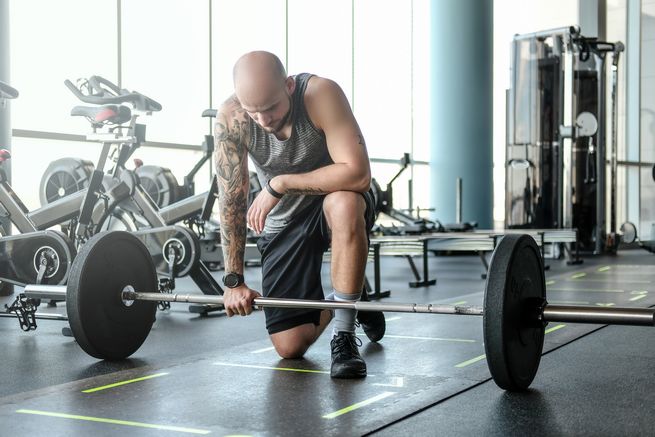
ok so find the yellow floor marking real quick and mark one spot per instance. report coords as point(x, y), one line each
point(550, 282)
point(457, 340)
point(118, 384)
point(589, 290)
point(115, 421)
point(623, 281)
point(358, 405)
point(286, 369)
point(568, 302)
point(578, 275)
point(641, 296)
point(603, 304)
point(471, 361)
point(626, 273)
point(554, 328)
point(482, 357)
point(604, 269)
point(392, 319)
point(461, 302)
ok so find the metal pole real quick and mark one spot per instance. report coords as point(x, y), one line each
point(46, 292)
point(599, 315)
point(601, 153)
point(39, 316)
point(262, 302)
point(551, 313)
point(458, 200)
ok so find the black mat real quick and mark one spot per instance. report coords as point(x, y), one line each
point(221, 375)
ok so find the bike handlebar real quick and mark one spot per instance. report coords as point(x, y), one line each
point(7, 92)
point(100, 91)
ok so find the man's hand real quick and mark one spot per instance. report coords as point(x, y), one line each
point(238, 301)
point(258, 211)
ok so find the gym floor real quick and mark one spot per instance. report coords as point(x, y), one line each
point(220, 376)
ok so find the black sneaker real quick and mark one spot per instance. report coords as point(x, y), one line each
point(372, 322)
point(346, 361)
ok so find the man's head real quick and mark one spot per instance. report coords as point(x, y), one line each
point(264, 90)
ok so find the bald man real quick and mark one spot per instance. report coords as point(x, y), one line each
point(311, 158)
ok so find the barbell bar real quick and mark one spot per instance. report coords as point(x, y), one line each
point(551, 313)
point(111, 308)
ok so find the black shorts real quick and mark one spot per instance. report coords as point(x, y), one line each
point(291, 263)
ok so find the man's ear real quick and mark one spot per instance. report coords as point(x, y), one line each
point(290, 84)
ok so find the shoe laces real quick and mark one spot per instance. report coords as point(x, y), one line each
point(346, 343)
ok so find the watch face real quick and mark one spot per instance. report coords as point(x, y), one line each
point(231, 280)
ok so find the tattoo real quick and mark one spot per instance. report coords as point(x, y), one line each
point(308, 191)
point(231, 160)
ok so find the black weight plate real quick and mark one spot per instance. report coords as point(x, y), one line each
point(159, 183)
point(513, 345)
point(103, 325)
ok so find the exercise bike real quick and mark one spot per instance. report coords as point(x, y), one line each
point(37, 255)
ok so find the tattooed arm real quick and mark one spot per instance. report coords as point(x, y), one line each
point(329, 110)
point(231, 159)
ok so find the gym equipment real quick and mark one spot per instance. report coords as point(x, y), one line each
point(64, 177)
point(557, 145)
point(122, 186)
point(160, 183)
point(383, 201)
point(111, 306)
point(37, 256)
point(410, 224)
point(6, 92)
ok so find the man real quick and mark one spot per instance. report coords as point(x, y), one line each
point(312, 161)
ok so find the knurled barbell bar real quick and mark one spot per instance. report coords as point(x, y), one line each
point(111, 309)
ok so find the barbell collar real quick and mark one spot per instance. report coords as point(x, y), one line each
point(263, 302)
point(45, 292)
point(599, 315)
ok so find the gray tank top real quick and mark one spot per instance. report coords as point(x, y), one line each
point(304, 151)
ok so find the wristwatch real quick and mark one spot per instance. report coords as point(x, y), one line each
point(232, 280)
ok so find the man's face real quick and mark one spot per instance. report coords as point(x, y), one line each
point(268, 106)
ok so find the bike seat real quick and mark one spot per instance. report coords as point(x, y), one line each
point(209, 113)
point(7, 92)
point(111, 114)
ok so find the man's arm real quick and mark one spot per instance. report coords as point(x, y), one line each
point(329, 110)
point(231, 158)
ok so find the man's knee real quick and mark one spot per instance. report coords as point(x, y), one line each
point(344, 209)
point(294, 342)
point(290, 349)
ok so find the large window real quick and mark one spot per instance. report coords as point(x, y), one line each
point(320, 40)
point(239, 27)
point(52, 41)
point(181, 54)
point(165, 55)
point(646, 225)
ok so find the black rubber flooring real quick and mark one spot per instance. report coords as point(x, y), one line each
point(220, 376)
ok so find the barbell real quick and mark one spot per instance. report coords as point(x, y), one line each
point(111, 306)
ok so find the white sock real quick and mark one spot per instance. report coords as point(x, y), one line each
point(344, 320)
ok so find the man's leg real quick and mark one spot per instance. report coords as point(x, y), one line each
point(344, 212)
point(294, 342)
